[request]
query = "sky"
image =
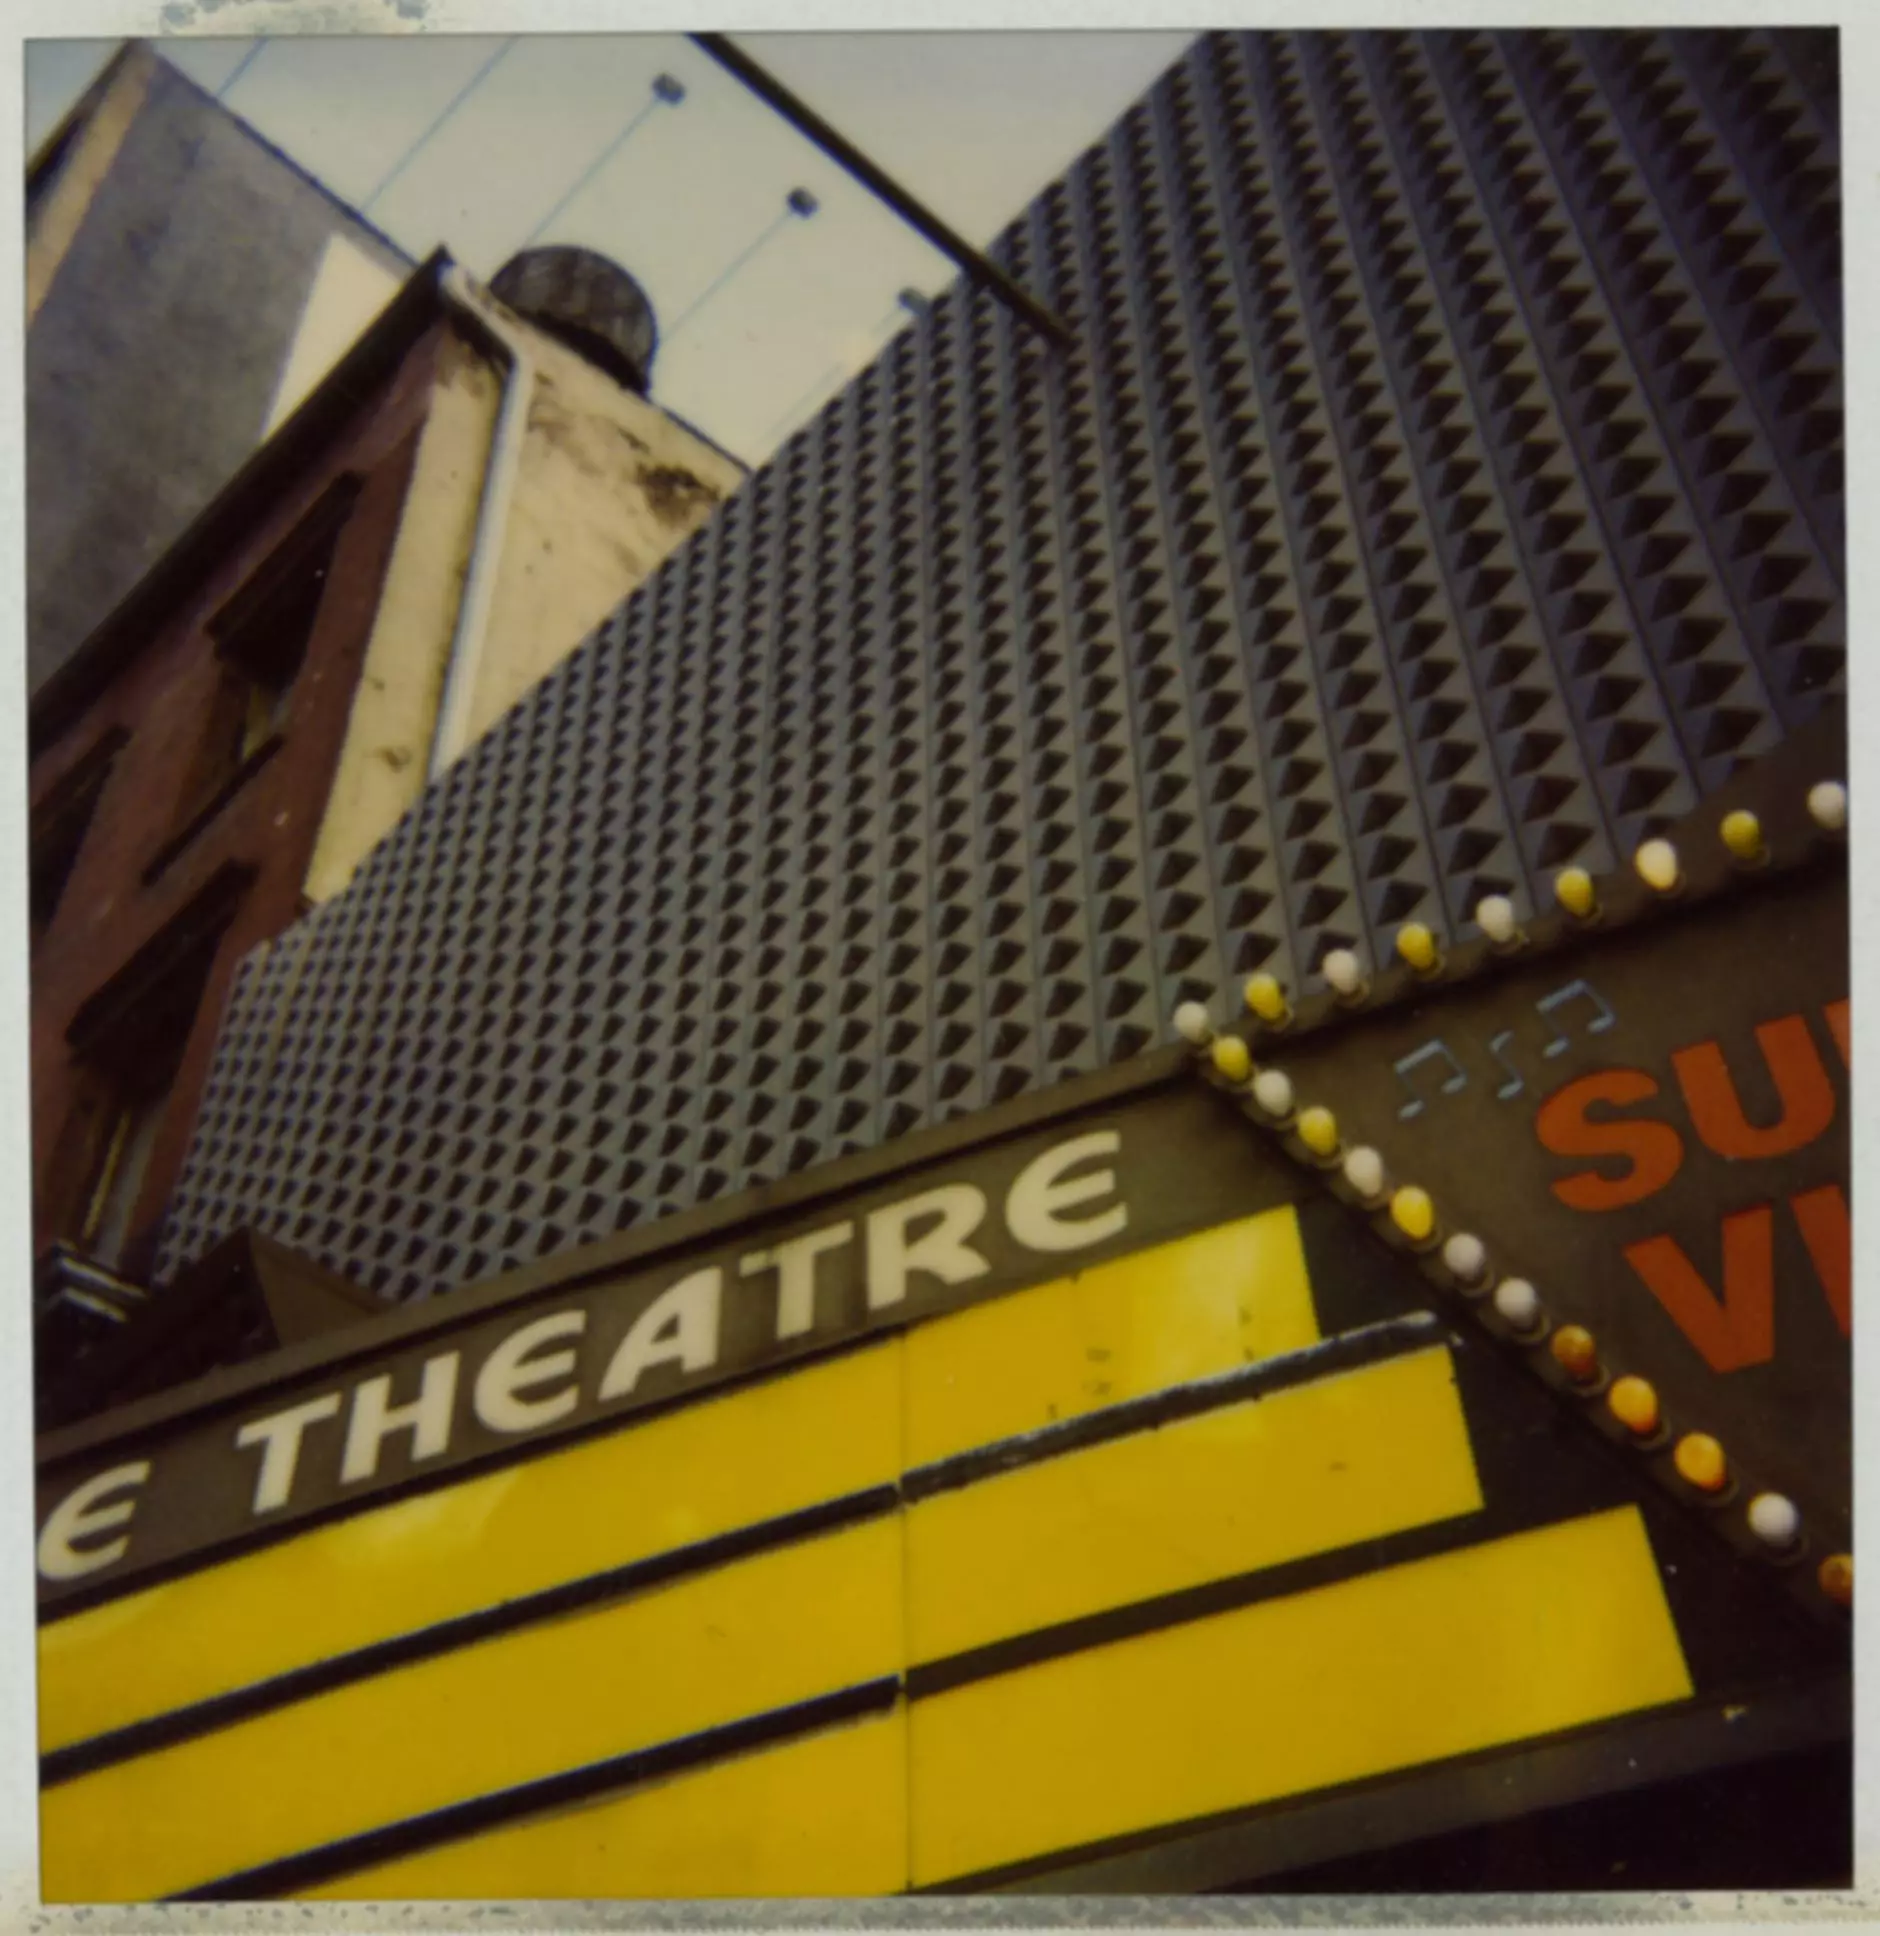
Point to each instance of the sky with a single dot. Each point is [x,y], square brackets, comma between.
[485,143]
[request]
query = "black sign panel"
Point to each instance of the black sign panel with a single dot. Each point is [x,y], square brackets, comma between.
[1654,1128]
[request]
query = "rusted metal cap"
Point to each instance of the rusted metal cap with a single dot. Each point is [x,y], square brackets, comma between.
[587,302]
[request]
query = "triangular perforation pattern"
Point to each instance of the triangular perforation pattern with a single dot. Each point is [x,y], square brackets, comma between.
[1442,489]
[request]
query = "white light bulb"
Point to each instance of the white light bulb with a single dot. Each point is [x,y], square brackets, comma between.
[1494,915]
[1774,1520]
[1273,1091]
[1342,971]
[1466,1257]
[1193,1026]
[1657,864]
[1364,1171]
[1518,1302]
[1827,805]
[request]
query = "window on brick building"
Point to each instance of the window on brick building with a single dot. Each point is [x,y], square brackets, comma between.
[260,639]
[59,822]
[127,1044]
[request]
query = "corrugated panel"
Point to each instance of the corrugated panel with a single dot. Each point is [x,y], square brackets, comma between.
[1446,486]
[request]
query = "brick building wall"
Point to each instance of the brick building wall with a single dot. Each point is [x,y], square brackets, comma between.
[148,857]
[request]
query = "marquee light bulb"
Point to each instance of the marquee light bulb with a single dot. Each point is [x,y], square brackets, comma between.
[1827,806]
[1317,1128]
[1700,1462]
[1657,865]
[1774,1520]
[1273,1091]
[1364,1171]
[1635,1405]
[1413,1213]
[1573,889]
[1232,1060]
[1576,1353]
[1267,999]
[1743,836]
[1343,974]
[1193,1026]
[1837,1578]
[1518,1304]
[1495,916]
[1465,1257]
[1417,945]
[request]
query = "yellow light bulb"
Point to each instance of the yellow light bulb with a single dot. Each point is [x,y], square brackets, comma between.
[1742,835]
[1635,1405]
[1573,889]
[1417,945]
[1837,1578]
[1267,999]
[1317,1128]
[1576,1353]
[1700,1462]
[1231,1058]
[1413,1213]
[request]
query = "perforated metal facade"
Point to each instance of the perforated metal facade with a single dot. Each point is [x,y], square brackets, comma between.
[1446,486]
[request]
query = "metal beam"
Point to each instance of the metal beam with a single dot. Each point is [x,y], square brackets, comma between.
[988,275]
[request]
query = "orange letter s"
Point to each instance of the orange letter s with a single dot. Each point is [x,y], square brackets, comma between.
[1653,1149]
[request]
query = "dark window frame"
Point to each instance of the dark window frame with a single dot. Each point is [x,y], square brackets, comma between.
[129,1038]
[259,636]
[59,823]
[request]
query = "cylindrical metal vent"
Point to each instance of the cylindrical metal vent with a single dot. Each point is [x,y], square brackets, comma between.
[587,302]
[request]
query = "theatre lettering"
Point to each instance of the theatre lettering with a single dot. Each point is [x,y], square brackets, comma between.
[621,1344]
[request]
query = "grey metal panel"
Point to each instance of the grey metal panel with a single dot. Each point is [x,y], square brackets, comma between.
[1424,507]
[151,363]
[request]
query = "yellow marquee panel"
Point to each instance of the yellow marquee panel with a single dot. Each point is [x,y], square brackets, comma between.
[1518,1637]
[822,1816]
[706,1469]
[1203,1304]
[1348,1457]
[759,1634]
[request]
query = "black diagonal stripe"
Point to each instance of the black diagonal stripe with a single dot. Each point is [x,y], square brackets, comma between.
[1215,1596]
[1370,1344]
[319,1677]
[292,1873]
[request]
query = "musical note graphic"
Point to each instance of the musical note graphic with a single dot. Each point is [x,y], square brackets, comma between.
[1515,1084]
[1433,1048]
[1559,998]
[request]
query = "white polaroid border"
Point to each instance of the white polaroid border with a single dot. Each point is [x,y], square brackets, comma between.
[20,1908]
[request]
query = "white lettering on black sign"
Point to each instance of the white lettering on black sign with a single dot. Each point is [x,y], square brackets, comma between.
[552,1366]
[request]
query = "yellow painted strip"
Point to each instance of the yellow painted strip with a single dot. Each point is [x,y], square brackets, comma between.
[762,1633]
[1519,1637]
[1203,1304]
[824,1816]
[707,1469]
[1346,1458]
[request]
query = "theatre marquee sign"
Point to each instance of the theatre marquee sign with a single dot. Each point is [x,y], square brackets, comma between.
[554,1359]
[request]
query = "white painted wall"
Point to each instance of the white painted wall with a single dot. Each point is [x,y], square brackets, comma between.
[349,289]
